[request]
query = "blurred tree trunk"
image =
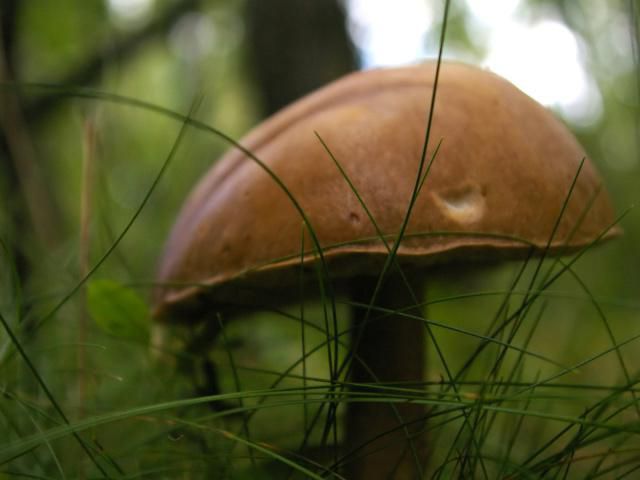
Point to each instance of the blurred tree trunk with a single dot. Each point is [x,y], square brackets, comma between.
[296,46]
[12,220]
[31,212]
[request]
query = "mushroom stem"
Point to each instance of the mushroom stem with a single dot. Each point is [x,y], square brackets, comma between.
[391,347]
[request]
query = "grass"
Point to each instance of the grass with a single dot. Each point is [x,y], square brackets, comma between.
[530,424]
[530,374]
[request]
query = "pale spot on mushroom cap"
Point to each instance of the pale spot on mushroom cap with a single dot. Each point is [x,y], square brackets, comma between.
[463,206]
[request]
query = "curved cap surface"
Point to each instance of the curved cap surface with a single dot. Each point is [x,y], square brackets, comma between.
[497,186]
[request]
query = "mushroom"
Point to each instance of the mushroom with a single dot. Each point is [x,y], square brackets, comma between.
[498,189]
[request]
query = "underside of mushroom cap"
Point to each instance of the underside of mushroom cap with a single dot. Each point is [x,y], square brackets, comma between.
[497,188]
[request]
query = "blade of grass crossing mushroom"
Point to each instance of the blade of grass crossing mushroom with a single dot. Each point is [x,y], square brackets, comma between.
[422,174]
[537,292]
[463,331]
[501,309]
[423,165]
[286,373]
[380,235]
[419,177]
[518,320]
[567,266]
[525,304]
[421,168]
[346,361]
[292,367]
[423,171]
[528,300]
[433,157]
[558,261]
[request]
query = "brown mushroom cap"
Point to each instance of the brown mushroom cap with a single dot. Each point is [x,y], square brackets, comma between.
[497,186]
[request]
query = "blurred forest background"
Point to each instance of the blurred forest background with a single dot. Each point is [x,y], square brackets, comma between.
[73,172]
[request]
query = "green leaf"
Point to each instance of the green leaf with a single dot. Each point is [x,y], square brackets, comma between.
[118,310]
